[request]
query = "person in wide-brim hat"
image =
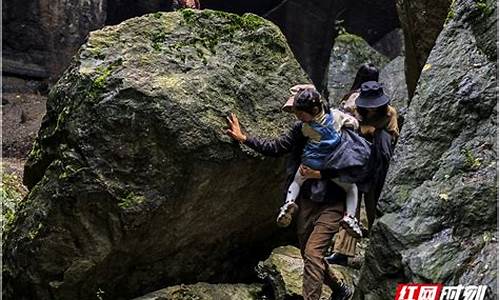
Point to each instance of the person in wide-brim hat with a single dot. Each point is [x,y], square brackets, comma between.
[374,111]
[372,95]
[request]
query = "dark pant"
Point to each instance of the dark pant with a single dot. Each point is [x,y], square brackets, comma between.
[316,225]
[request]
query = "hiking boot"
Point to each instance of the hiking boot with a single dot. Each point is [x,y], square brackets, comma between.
[336,259]
[351,225]
[342,292]
[286,214]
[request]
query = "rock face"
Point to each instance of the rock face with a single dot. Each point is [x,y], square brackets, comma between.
[348,53]
[440,200]
[310,28]
[133,184]
[205,291]
[393,77]
[422,21]
[391,44]
[40,34]
[370,19]
[283,271]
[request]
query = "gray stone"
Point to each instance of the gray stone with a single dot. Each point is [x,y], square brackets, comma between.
[440,200]
[391,44]
[421,21]
[35,34]
[133,184]
[47,33]
[206,291]
[392,76]
[283,270]
[348,54]
[13,84]
[311,27]
[25,70]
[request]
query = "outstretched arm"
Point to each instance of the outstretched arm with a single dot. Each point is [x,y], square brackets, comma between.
[270,147]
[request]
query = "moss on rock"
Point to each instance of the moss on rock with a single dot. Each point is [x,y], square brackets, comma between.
[131,172]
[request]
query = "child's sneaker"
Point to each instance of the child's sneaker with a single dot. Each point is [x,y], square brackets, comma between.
[351,225]
[286,214]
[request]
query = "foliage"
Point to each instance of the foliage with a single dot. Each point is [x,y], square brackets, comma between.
[471,162]
[131,200]
[12,192]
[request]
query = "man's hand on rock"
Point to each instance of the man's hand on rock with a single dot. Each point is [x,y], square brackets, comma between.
[234,130]
[309,173]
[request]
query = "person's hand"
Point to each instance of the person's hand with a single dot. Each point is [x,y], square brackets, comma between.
[309,173]
[234,130]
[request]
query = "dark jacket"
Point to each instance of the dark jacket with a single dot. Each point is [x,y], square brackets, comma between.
[293,142]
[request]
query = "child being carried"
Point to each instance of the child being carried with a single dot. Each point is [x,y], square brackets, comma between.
[327,146]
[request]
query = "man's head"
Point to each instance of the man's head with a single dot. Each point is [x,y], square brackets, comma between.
[307,104]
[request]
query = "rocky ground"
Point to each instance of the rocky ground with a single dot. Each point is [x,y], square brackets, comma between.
[22,114]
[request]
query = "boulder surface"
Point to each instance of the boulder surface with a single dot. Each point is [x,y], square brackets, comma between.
[348,54]
[421,21]
[393,77]
[133,184]
[284,268]
[440,200]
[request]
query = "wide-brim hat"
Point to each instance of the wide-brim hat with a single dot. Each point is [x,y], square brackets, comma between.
[372,95]
[288,106]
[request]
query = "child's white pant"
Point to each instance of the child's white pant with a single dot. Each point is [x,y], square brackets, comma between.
[350,188]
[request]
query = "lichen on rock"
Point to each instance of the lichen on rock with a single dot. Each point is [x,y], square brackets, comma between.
[133,183]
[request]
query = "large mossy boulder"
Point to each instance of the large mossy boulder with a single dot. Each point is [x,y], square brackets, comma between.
[440,200]
[348,54]
[133,183]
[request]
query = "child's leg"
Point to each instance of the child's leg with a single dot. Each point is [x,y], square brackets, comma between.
[351,199]
[294,188]
[349,222]
[288,209]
